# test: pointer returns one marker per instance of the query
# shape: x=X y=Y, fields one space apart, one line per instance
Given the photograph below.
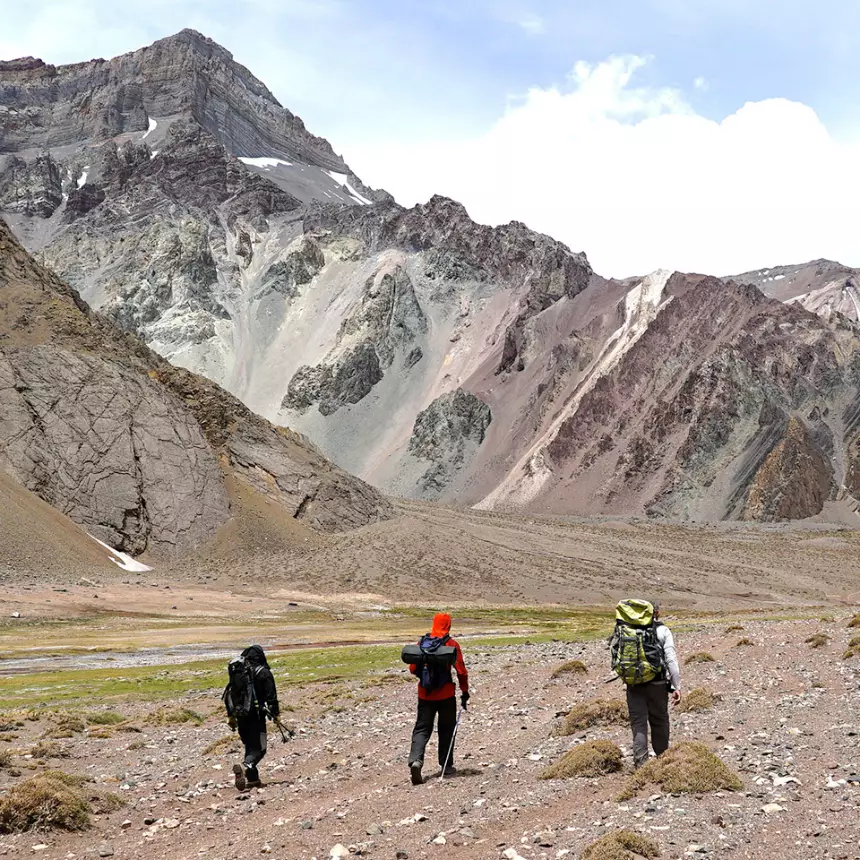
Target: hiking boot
x=255 y=783
x=450 y=770
x=239 y=777
x=415 y=772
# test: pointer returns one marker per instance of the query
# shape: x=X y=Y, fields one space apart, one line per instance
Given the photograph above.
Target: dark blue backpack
x=433 y=676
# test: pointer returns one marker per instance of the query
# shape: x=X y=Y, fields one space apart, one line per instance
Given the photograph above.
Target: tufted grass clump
x=46 y=749
x=743 y=642
x=817 y=640
x=49 y=800
x=105 y=718
x=175 y=716
x=697 y=701
x=64 y=726
x=572 y=667
x=734 y=628
x=699 y=657
x=686 y=767
x=855 y=620
x=599 y=712
x=222 y=746
x=593 y=758
x=622 y=845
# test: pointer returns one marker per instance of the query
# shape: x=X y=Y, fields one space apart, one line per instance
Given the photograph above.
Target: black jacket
x=264 y=681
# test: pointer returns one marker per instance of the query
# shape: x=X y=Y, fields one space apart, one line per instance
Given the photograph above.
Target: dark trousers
x=648 y=704
x=252 y=731
x=427 y=710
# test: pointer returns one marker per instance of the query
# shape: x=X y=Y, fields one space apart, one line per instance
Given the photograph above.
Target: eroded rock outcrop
x=130 y=447
x=447 y=434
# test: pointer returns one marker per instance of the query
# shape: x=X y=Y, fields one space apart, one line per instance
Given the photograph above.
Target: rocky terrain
x=781 y=720
x=431 y=356
x=145 y=456
x=821 y=286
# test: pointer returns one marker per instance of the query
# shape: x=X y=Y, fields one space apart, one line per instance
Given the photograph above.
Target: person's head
x=656 y=606
x=441 y=624
x=255 y=655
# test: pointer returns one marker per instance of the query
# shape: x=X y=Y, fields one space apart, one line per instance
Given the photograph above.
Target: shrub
x=696 y=701
x=48 y=800
x=743 y=642
x=65 y=726
x=699 y=657
x=600 y=712
x=622 y=845
x=175 y=716
x=593 y=758
x=572 y=667
x=854 y=642
x=817 y=640
x=49 y=749
x=5 y=759
x=855 y=621
x=105 y=718
x=686 y=767
x=733 y=628
x=221 y=746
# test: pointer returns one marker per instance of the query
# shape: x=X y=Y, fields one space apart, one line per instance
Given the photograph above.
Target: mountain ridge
x=442 y=359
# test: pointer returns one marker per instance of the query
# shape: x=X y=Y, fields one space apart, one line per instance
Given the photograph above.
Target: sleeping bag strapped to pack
x=433 y=659
x=240 y=697
x=637 y=655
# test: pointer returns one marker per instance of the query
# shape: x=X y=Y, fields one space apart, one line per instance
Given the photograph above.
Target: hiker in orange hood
x=437 y=695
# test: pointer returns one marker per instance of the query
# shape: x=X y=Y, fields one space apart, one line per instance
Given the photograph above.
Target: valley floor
x=786 y=710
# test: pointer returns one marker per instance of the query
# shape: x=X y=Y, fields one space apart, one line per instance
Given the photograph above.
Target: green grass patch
x=105 y=718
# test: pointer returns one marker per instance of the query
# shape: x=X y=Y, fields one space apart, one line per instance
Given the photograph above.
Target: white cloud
x=700 y=84
x=636 y=178
x=532 y=24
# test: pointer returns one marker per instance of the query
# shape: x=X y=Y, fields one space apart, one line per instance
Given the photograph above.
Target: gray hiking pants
x=648 y=704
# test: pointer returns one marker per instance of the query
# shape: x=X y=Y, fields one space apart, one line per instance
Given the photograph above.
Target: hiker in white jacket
x=648 y=704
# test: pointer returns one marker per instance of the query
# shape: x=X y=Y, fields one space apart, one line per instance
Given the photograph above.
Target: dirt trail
x=786 y=723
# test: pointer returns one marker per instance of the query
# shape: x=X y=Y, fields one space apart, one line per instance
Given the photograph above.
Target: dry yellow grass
x=623 y=845
x=593 y=758
x=743 y=642
x=222 y=745
x=733 y=628
x=855 y=621
x=599 y=712
x=817 y=640
x=686 y=767
x=49 y=800
x=174 y=716
x=699 y=657
x=572 y=667
x=696 y=701
x=49 y=749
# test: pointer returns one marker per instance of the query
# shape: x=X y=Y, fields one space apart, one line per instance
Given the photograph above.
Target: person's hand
x=464 y=700
x=231 y=721
x=676 y=697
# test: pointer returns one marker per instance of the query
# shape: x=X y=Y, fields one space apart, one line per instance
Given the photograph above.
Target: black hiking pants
x=648 y=705
x=252 y=731
x=427 y=711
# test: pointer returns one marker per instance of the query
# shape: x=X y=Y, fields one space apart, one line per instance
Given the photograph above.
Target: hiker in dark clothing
x=252 y=729
x=441 y=700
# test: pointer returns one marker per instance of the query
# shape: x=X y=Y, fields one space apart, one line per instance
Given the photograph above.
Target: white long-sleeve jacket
x=670 y=656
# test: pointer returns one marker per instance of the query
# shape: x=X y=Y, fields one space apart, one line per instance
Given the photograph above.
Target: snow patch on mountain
x=265 y=163
x=343 y=180
x=153 y=125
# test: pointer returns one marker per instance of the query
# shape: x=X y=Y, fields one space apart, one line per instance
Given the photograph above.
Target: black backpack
x=433 y=676
x=240 y=697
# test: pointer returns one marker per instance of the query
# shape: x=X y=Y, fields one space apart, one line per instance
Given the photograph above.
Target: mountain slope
x=127 y=445
x=432 y=356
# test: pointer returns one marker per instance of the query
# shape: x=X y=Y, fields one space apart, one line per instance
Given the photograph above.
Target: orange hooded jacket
x=442 y=627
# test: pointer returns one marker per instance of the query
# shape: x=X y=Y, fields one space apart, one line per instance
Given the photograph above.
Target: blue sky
x=395 y=84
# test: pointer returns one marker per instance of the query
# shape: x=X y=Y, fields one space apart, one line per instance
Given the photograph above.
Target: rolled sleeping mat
x=445 y=655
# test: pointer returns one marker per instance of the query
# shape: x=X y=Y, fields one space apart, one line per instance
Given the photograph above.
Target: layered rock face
x=432 y=356
x=133 y=449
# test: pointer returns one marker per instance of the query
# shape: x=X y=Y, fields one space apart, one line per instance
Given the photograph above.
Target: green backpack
x=637 y=655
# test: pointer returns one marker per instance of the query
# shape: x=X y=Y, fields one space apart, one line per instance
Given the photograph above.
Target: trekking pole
x=451 y=747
